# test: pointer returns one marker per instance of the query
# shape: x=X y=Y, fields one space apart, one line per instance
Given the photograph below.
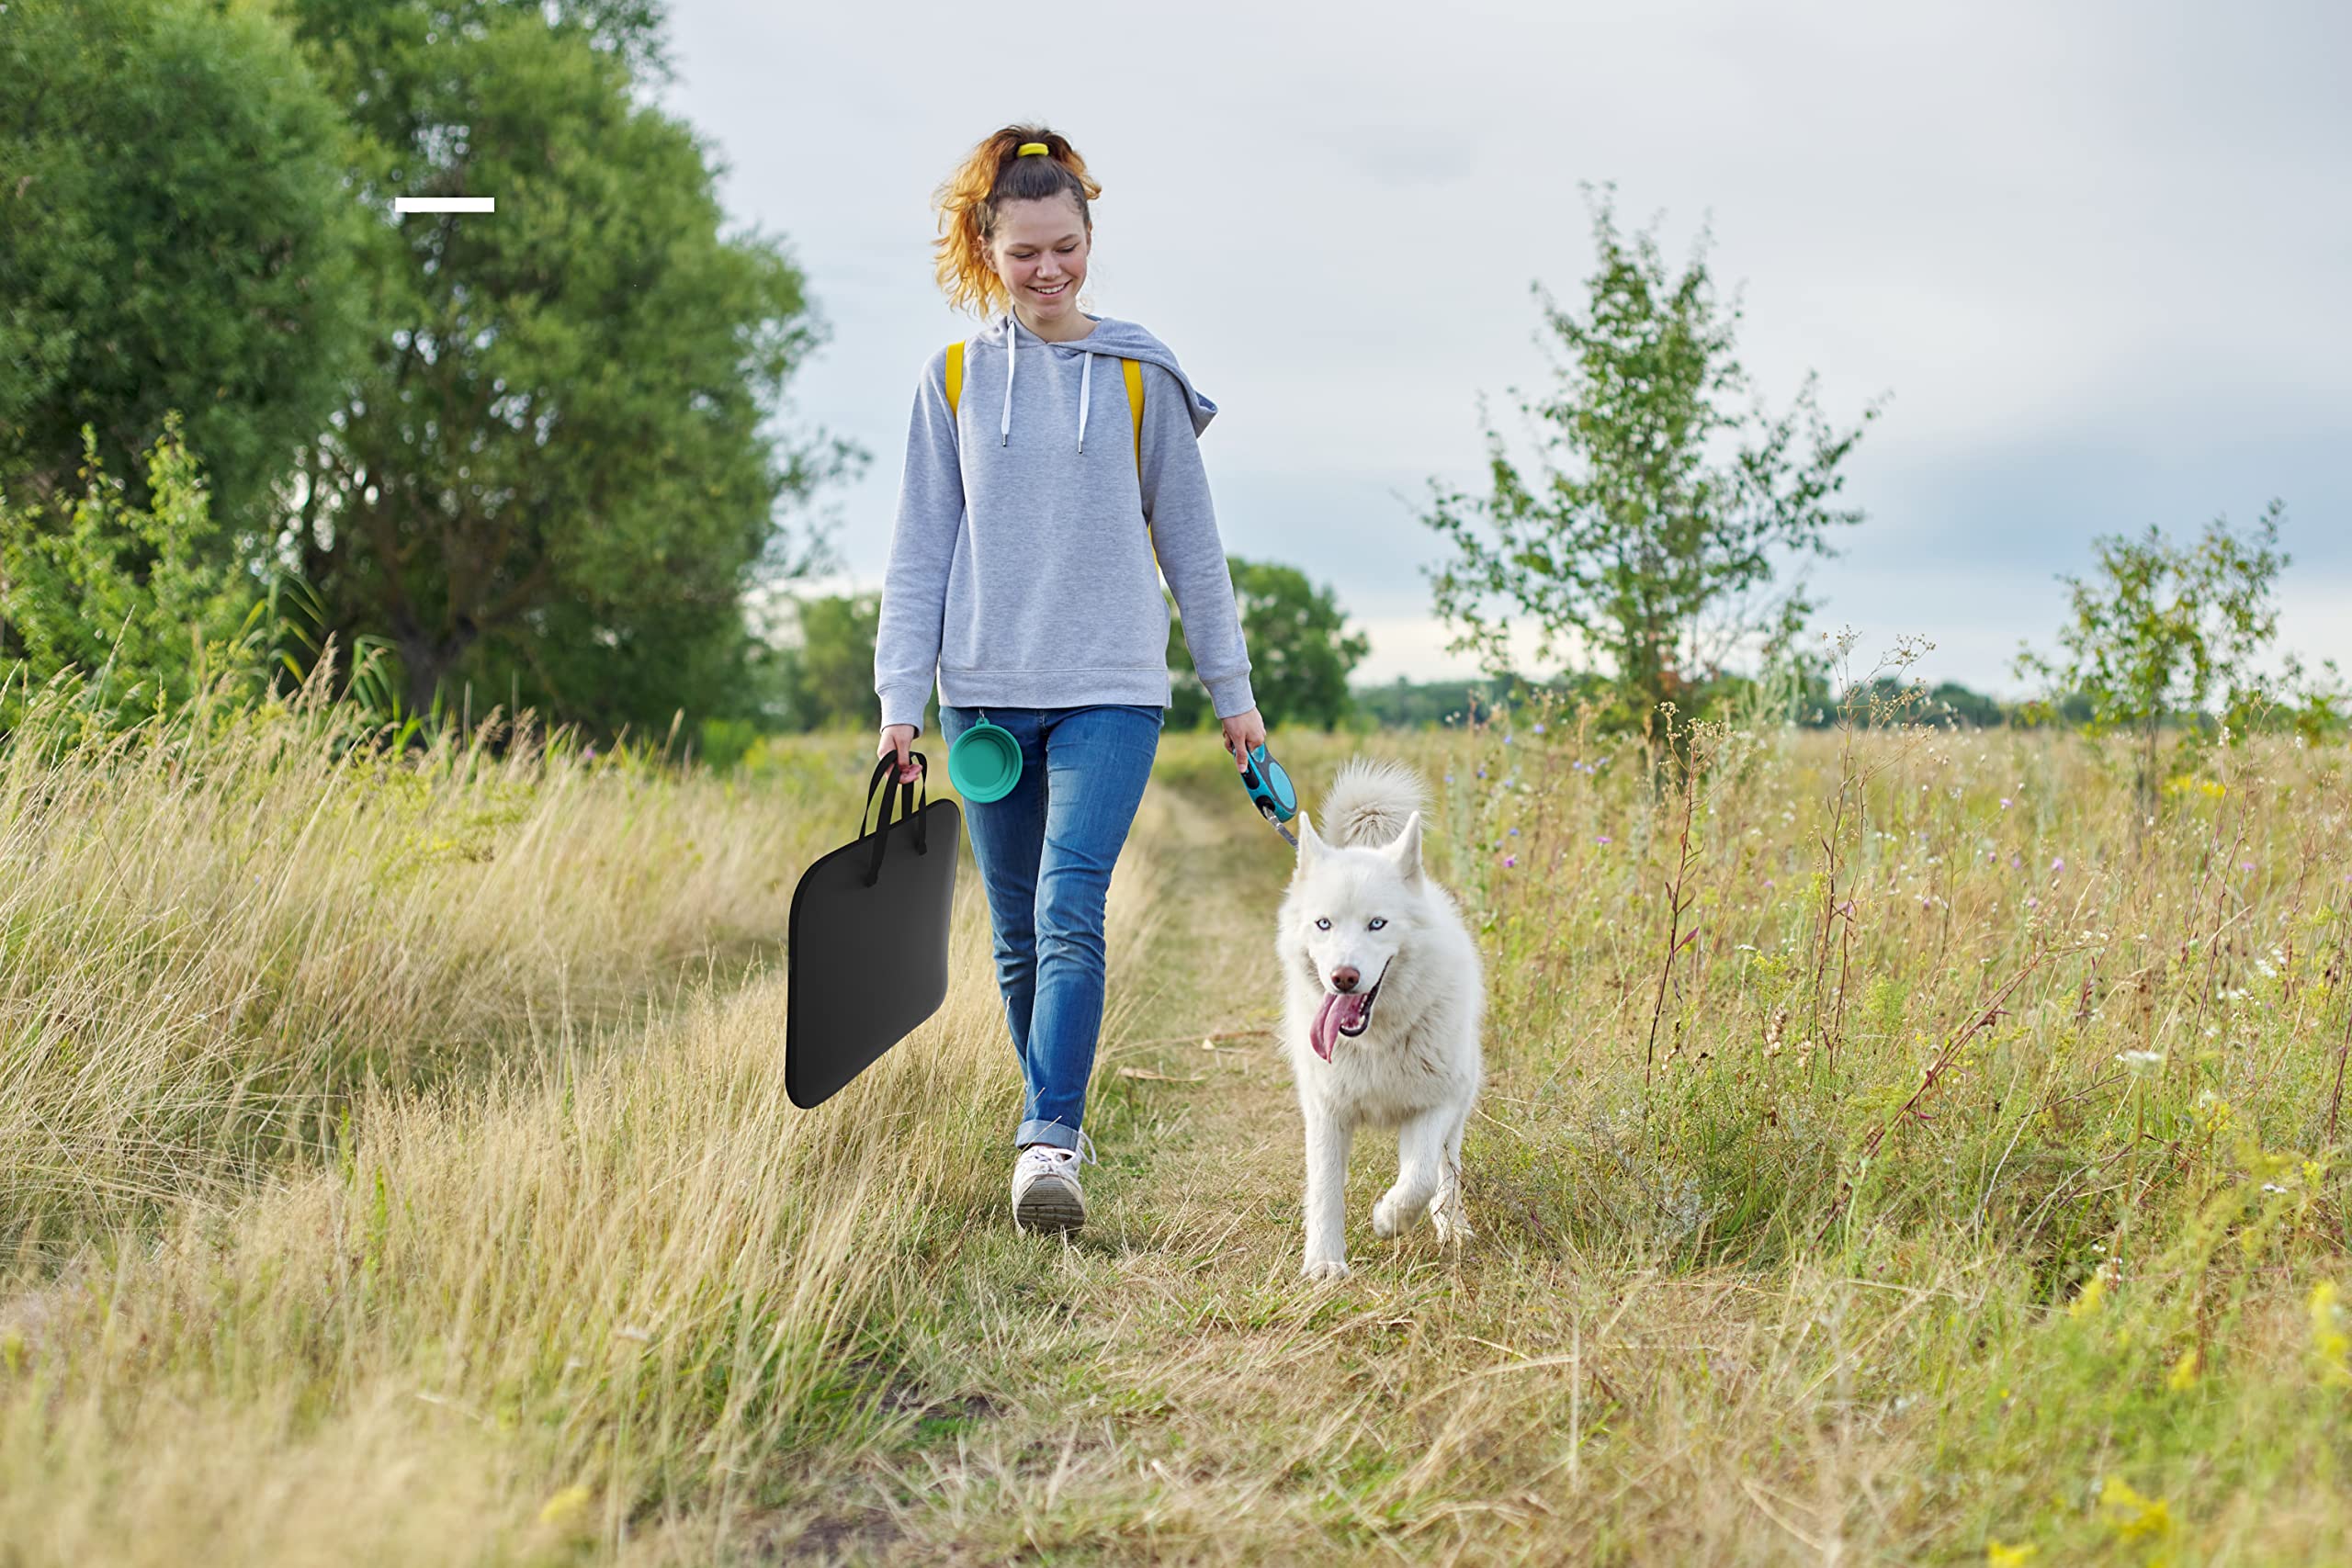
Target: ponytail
x=969 y=200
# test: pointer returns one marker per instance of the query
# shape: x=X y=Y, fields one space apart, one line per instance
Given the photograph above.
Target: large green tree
x=1301 y=652
x=173 y=235
x=560 y=474
x=1650 y=540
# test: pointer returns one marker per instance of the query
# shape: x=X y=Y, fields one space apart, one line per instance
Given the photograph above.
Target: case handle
x=909 y=806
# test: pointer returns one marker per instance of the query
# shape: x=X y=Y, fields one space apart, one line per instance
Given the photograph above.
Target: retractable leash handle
x=1271 y=790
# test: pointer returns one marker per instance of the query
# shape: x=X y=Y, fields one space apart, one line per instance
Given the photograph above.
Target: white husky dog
x=1382 y=1002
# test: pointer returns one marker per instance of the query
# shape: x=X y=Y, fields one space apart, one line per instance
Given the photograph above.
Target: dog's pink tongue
x=1326 y=1028
x=1338 y=1011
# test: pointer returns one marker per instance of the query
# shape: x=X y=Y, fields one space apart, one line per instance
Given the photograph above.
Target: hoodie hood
x=1111 y=339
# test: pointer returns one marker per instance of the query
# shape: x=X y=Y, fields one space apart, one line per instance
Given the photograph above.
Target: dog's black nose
x=1345 y=979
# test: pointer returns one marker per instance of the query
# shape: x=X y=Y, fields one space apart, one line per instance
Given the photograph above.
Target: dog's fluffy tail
x=1368 y=802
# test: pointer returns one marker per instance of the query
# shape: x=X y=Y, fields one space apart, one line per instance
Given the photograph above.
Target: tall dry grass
x=216 y=931
x=1897 y=1146
x=588 y=1286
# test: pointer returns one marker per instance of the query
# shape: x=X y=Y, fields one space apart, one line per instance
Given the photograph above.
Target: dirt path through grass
x=1162 y=1385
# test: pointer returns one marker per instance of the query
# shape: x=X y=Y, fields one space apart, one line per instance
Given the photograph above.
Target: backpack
x=1134 y=368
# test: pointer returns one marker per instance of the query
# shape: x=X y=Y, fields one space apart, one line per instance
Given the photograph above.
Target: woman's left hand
x=1244 y=733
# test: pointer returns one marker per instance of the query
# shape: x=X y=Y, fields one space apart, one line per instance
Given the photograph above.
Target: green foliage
x=173 y=236
x=1653 y=547
x=557 y=477
x=1300 y=650
x=129 y=594
x=826 y=677
x=2158 y=631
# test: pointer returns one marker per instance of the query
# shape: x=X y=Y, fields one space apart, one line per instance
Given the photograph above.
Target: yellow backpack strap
x=954 y=377
x=1135 y=409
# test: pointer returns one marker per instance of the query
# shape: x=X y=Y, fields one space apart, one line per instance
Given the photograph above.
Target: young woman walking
x=1022 y=574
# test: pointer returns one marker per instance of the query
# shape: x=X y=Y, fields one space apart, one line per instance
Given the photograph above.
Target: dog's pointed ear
x=1407 y=849
x=1309 y=844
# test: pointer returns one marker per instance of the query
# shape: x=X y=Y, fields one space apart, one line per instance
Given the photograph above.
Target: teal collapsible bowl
x=984 y=763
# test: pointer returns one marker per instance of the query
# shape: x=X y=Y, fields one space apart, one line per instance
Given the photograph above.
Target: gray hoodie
x=1021 y=564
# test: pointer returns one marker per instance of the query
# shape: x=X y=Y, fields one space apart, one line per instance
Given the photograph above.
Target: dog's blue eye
x=1378 y=921
x=1323 y=925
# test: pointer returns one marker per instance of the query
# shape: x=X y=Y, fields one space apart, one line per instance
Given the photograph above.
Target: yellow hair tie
x=1029 y=147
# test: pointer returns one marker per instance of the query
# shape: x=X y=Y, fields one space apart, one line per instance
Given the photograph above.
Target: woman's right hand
x=899 y=738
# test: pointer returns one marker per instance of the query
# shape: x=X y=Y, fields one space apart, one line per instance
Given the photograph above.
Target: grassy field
x=1898 y=1148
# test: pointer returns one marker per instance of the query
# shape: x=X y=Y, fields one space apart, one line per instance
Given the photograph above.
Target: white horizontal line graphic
x=445 y=204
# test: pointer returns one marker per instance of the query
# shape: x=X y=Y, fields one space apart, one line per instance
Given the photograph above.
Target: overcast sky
x=2096 y=255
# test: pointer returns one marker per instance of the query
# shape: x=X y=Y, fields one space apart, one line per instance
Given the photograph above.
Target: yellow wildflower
x=2087 y=1301
x=563 y=1504
x=2133 y=1516
x=2334 y=1347
x=2184 y=1372
x=1999 y=1556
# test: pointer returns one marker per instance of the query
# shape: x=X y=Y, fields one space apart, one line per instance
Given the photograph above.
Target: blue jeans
x=1046 y=851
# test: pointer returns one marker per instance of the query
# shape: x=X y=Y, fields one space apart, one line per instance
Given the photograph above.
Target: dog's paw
x=1321 y=1269
x=1386 y=1221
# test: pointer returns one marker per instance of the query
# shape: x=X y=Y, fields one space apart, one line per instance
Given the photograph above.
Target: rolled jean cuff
x=1058 y=1134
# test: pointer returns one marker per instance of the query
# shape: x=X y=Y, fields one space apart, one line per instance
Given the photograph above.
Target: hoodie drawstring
x=1085 y=389
x=1004 y=426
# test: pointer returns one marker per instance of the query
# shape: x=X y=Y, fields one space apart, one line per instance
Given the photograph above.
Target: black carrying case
x=865 y=951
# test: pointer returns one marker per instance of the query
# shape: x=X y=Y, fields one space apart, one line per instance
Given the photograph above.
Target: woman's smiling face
x=1039 y=249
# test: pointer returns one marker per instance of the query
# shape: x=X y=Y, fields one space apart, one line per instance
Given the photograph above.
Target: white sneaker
x=1045 y=1190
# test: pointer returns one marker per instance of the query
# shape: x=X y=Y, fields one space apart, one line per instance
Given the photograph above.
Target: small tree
x=1651 y=545
x=132 y=596
x=827 y=675
x=2158 y=631
x=1301 y=652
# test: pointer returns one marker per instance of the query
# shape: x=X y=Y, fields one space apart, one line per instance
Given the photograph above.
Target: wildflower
x=2057 y=865
x=2184 y=1372
x=1539 y=729
x=1999 y=1556
x=2245 y=865
x=2133 y=1516
x=1603 y=840
x=2087 y=1300
x=1510 y=860
x=2005 y=803
x=563 y=1504
x=2327 y=1334
x=2140 y=1061
x=1449 y=778
x=1514 y=832
x=1482 y=772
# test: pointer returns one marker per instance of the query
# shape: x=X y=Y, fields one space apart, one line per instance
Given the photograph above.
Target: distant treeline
x=1406 y=705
